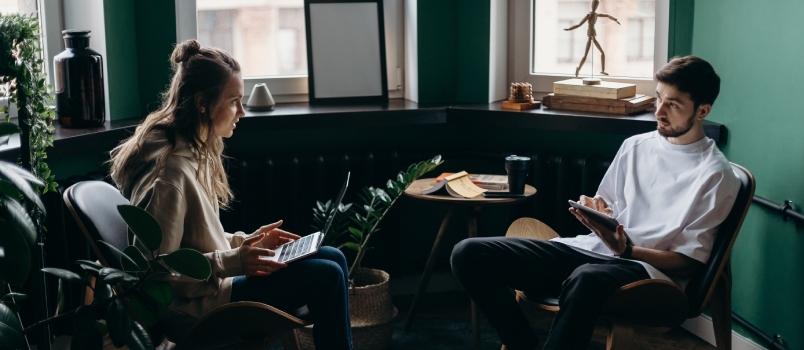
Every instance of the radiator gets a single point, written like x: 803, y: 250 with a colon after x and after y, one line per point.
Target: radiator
x: 286, y: 186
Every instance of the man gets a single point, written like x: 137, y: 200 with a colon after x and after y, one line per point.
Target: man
x: 669, y: 190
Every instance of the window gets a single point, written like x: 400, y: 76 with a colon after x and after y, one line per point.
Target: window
x: 544, y: 51
x: 268, y: 38
x: 50, y: 19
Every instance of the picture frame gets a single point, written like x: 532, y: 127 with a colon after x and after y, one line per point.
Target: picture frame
x: 346, y: 52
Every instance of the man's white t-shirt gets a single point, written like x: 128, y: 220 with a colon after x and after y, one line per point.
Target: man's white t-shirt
x: 667, y: 197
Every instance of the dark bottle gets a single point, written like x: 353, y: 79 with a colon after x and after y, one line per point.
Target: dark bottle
x: 80, y: 96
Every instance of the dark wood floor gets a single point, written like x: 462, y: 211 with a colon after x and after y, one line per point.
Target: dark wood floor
x: 456, y: 304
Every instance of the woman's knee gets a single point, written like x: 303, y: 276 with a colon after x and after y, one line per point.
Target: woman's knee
x: 333, y: 254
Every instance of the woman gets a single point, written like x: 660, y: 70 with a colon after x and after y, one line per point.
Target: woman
x: 172, y: 167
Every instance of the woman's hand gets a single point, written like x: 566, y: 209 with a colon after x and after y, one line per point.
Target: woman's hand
x: 274, y: 237
x: 252, y: 258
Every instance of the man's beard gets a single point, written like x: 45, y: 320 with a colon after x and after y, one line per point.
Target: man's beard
x: 680, y: 131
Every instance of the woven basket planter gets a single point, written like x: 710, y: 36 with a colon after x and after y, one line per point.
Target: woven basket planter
x: 371, y: 310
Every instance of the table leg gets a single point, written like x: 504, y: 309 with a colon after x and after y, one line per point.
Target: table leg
x: 428, y: 269
x: 475, y: 314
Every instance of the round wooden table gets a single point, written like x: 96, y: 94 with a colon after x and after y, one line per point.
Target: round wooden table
x: 474, y: 206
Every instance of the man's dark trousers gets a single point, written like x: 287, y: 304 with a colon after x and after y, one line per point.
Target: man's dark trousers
x: 488, y: 267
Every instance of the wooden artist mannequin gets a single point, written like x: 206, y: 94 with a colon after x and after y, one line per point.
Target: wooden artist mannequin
x: 591, y: 17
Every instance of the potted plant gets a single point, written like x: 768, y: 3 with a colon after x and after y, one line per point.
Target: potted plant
x: 17, y: 236
x: 127, y: 300
x: 370, y: 307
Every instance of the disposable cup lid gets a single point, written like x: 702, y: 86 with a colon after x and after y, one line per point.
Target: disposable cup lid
x: 516, y: 158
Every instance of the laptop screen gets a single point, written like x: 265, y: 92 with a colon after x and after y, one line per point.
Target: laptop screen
x: 337, y: 203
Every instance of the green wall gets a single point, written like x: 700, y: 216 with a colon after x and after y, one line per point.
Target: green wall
x: 757, y: 51
x: 121, y: 60
x: 140, y: 35
x: 453, y: 44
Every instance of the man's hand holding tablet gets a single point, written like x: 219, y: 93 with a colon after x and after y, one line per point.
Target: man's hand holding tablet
x: 612, y: 233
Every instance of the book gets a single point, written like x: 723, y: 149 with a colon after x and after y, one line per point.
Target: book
x: 456, y: 185
x: 606, y: 89
x: 484, y: 181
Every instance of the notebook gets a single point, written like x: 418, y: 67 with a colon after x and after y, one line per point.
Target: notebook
x: 309, y: 244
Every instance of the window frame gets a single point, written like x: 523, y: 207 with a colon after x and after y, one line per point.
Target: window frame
x: 521, y: 18
x: 293, y: 88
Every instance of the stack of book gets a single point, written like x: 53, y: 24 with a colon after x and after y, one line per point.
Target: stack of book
x: 606, y: 97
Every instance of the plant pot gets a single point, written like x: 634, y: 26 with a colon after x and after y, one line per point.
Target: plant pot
x: 371, y: 313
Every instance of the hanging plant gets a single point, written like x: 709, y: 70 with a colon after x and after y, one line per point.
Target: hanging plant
x: 23, y: 81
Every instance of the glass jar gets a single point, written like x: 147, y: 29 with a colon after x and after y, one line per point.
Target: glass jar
x: 80, y: 95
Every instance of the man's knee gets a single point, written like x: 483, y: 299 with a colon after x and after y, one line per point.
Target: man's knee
x: 589, y: 279
x: 463, y: 252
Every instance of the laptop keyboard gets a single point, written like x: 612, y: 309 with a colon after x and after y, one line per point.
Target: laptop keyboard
x: 296, y: 248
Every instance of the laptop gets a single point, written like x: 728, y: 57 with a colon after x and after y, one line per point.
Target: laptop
x: 309, y: 244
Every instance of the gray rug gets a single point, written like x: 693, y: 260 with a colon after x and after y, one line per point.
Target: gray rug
x: 444, y: 333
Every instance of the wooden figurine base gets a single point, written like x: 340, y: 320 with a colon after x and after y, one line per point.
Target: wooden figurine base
x: 521, y: 106
x: 624, y: 106
x: 591, y: 81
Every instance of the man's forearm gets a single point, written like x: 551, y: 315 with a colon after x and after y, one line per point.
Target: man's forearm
x: 670, y: 263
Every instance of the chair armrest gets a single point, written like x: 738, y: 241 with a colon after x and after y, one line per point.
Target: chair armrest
x: 651, y: 302
x: 237, y: 322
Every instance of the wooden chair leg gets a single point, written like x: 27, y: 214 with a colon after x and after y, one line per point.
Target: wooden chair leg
x: 620, y: 337
x: 89, y: 293
x: 290, y: 340
x: 720, y: 305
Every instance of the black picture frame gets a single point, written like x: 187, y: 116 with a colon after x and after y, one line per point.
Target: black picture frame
x: 345, y: 56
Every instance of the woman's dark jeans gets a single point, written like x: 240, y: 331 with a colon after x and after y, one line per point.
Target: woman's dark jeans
x: 319, y: 281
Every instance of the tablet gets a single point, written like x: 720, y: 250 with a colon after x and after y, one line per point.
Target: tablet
x: 603, y: 219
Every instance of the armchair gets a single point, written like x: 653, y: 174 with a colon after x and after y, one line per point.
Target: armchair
x: 657, y: 304
x: 250, y: 325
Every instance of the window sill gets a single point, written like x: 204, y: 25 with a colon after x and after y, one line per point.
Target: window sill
x: 398, y: 112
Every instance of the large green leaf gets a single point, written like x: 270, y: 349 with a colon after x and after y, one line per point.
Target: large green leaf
x: 118, y: 322
x: 9, y: 189
x: 139, y: 338
x: 141, y: 263
x: 10, y: 173
x: 159, y: 291
x: 66, y: 275
x: 114, y: 276
x: 103, y: 291
x: 143, y: 224
x: 16, y: 260
x: 189, y: 262
x: 14, y: 297
x: 25, y: 174
x: 89, y: 266
x: 14, y: 213
x: 352, y: 245
x: 123, y: 256
x: 11, y: 335
x: 145, y: 313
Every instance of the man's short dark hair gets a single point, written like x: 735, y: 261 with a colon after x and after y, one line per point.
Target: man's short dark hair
x: 692, y: 75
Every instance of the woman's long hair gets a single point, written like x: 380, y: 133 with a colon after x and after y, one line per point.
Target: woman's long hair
x: 199, y: 77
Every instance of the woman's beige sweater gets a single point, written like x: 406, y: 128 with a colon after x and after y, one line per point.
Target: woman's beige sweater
x: 188, y: 219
